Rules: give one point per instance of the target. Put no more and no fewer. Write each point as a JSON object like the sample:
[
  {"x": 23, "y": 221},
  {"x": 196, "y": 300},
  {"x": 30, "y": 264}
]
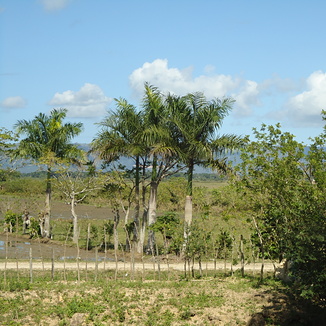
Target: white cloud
[
  {"x": 209, "y": 69},
  {"x": 53, "y": 5},
  {"x": 246, "y": 98},
  {"x": 181, "y": 82},
  {"x": 305, "y": 108},
  {"x": 90, "y": 101},
  {"x": 14, "y": 102},
  {"x": 301, "y": 101},
  {"x": 277, "y": 85}
]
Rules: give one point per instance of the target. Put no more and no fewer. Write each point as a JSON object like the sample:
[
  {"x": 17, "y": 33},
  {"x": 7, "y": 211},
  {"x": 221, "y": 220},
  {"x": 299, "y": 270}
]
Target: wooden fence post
[
  {"x": 96, "y": 263},
  {"x": 52, "y": 265},
  {"x": 87, "y": 246},
  {"x": 30, "y": 265}
]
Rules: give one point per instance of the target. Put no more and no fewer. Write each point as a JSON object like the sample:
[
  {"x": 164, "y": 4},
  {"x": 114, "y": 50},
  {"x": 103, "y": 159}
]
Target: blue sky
[{"x": 270, "y": 56}]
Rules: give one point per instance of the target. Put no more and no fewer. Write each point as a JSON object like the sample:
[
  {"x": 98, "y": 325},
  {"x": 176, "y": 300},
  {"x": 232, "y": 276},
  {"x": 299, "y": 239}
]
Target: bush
[
  {"x": 13, "y": 220},
  {"x": 24, "y": 186}
]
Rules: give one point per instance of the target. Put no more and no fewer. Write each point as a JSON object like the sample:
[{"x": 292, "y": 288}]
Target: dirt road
[{"x": 38, "y": 265}]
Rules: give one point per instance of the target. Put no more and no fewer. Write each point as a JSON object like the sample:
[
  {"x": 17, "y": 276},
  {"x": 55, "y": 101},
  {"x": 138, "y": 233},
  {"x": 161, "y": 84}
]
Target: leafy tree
[
  {"x": 285, "y": 186},
  {"x": 48, "y": 142},
  {"x": 195, "y": 246},
  {"x": 166, "y": 225},
  {"x": 6, "y": 146},
  {"x": 6, "y": 139},
  {"x": 223, "y": 247},
  {"x": 12, "y": 220}
]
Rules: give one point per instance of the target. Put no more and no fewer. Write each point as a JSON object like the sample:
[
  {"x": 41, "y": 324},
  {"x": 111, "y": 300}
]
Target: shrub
[{"x": 13, "y": 220}]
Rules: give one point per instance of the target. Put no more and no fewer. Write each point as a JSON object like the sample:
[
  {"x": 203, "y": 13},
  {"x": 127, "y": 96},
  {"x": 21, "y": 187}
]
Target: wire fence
[{"x": 62, "y": 262}]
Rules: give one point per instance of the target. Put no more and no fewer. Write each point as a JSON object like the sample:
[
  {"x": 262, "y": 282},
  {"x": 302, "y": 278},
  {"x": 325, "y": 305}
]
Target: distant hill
[{"x": 25, "y": 166}]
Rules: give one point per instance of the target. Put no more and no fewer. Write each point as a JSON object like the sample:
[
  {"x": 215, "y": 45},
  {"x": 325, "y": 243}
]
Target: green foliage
[
  {"x": 6, "y": 137},
  {"x": 18, "y": 285},
  {"x": 93, "y": 240},
  {"x": 201, "y": 201},
  {"x": 34, "y": 228},
  {"x": 223, "y": 245},
  {"x": 196, "y": 241},
  {"x": 172, "y": 193},
  {"x": 7, "y": 174},
  {"x": 81, "y": 305},
  {"x": 108, "y": 230},
  {"x": 7, "y": 140},
  {"x": 176, "y": 244},
  {"x": 23, "y": 186},
  {"x": 13, "y": 220},
  {"x": 166, "y": 224},
  {"x": 285, "y": 187}
]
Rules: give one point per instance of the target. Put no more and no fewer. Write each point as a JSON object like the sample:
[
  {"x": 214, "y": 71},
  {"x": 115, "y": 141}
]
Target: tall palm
[
  {"x": 121, "y": 135},
  {"x": 154, "y": 111},
  {"x": 197, "y": 121},
  {"x": 48, "y": 141}
]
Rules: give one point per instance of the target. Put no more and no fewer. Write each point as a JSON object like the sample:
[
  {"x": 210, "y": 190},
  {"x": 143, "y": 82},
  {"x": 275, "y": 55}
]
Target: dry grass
[{"x": 209, "y": 301}]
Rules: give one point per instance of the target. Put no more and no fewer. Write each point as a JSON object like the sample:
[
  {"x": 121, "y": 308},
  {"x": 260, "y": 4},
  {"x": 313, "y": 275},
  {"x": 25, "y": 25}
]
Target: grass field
[{"x": 208, "y": 301}]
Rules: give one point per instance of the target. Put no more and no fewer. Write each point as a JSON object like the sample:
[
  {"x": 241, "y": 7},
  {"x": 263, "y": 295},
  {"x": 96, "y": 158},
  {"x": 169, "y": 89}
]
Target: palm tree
[
  {"x": 197, "y": 121},
  {"x": 160, "y": 137},
  {"x": 154, "y": 112},
  {"x": 47, "y": 142},
  {"x": 121, "y": 135},
  {"x": 146, "y": 137}
]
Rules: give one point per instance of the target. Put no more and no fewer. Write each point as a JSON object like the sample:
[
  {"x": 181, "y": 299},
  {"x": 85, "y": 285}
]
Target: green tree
[
  {"x": 47, "y": 142},
  {"x": 285, "y": 185},
  {"x": 196, "y": 121},
  {"x": 163, "y": 144},
  {"x": 223, "y": 247},
  {"x": 195, "y": 246},
  {"x": 7, "y": 140},
  {"x": 121, "y": 135}
]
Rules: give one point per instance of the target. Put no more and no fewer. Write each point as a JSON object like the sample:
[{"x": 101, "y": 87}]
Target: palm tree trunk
[
  {"x": 188, "y": 210},
  {"x": 152, "y": 206},
  {"x": 47, "y": 211},
  {"x": 188, "y": 204},
  {"x": 137, "y": 206},
  {"x": 152, "y": 215},
  {"x": 75, "y": 220},
  {"x": 116, "y": 239},
  {"x": 142, "y": 230}
]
